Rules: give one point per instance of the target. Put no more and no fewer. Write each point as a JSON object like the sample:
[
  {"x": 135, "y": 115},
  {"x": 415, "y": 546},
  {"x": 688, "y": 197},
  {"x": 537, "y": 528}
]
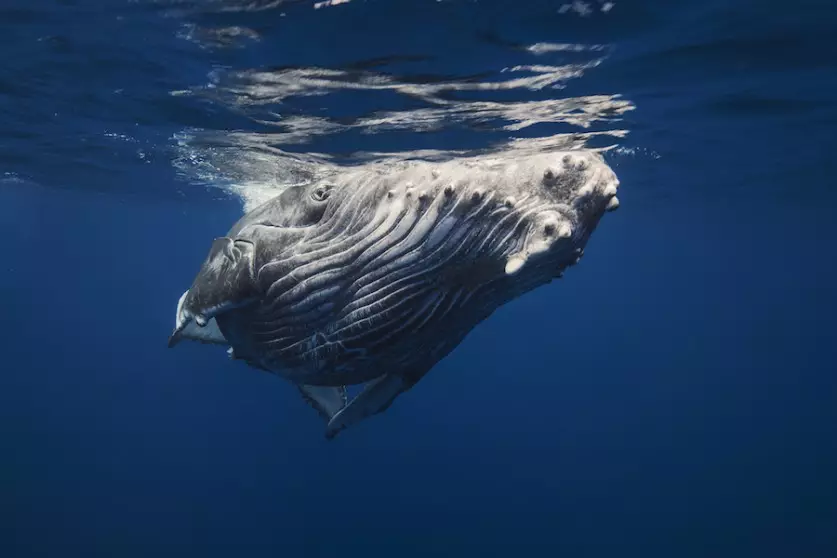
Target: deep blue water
[{"x": 674, "y": 396}]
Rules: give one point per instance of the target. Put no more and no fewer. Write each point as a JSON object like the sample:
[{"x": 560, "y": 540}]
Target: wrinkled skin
[{"x": 374, "y": 276}]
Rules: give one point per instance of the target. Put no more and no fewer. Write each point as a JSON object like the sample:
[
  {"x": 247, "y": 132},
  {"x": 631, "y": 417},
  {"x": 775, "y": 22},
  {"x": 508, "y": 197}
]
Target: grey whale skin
[{"x": 374, "y": 275}]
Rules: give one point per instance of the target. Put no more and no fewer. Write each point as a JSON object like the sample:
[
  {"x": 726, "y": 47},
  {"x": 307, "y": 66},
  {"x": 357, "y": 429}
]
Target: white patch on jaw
[{"x": 515, "y": 263}]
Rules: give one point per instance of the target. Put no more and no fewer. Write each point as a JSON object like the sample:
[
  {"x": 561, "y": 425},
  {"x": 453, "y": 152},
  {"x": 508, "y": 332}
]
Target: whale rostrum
[{"x": 375, "y": 274}]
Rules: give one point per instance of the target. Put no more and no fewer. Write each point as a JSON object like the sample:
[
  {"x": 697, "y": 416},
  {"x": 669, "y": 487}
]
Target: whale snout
[{"x": 571, "y": 192}]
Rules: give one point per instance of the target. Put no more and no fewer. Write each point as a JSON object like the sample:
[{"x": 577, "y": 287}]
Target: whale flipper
[
  {"x": 326, "y": 400},
  {"x": 375, "y": 398},
  {"x": 225, "y": 281},
  {"x": 210, "y": 333}
]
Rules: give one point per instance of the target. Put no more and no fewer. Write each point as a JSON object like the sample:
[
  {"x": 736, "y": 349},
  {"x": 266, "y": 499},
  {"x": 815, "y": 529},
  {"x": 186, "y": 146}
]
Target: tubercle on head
[
  {"x": 422, "y": 193},
  {"x": 599, "y": 186},
  {"x": 421, "y": 196},
  {"x": 569, "y": 163}
]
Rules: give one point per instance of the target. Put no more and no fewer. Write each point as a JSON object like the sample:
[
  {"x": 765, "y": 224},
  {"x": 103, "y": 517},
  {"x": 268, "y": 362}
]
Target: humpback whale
[{"x": 372, "y": 276}]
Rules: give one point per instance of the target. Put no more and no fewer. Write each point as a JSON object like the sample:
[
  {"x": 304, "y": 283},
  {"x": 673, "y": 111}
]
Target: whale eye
[{"x": 321, "y": 193}]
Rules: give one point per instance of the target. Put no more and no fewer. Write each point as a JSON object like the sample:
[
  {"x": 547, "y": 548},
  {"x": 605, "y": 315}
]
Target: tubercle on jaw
[
  {"x": 559, "y": 230},
  {"x": 518, "y": 260},
  {"x": 605, "y": 186},
  {"x": 552, "y": 230}
]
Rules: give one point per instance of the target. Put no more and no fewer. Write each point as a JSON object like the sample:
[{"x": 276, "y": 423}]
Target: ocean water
[{"x": 675, "y": 395}]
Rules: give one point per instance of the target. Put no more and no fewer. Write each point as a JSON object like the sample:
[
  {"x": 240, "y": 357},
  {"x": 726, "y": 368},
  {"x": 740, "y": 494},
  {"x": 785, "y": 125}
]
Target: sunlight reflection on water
[{"x": 517, "y": 109}]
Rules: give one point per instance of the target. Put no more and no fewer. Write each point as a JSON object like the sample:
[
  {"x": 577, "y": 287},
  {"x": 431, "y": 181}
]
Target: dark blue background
[{"x": 674, "y": 396}]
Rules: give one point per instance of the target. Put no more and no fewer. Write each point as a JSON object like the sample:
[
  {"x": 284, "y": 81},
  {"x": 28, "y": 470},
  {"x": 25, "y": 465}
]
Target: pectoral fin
[
  {"x": 225, "y": 281},
  {"x": 210, "y": 333},
  {"x": 375, "y": 398},
  {"x": 326, "y": 400}
]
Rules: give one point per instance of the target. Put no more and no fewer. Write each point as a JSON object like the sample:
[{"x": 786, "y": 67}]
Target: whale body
[{"x": 374, "y": 275}]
